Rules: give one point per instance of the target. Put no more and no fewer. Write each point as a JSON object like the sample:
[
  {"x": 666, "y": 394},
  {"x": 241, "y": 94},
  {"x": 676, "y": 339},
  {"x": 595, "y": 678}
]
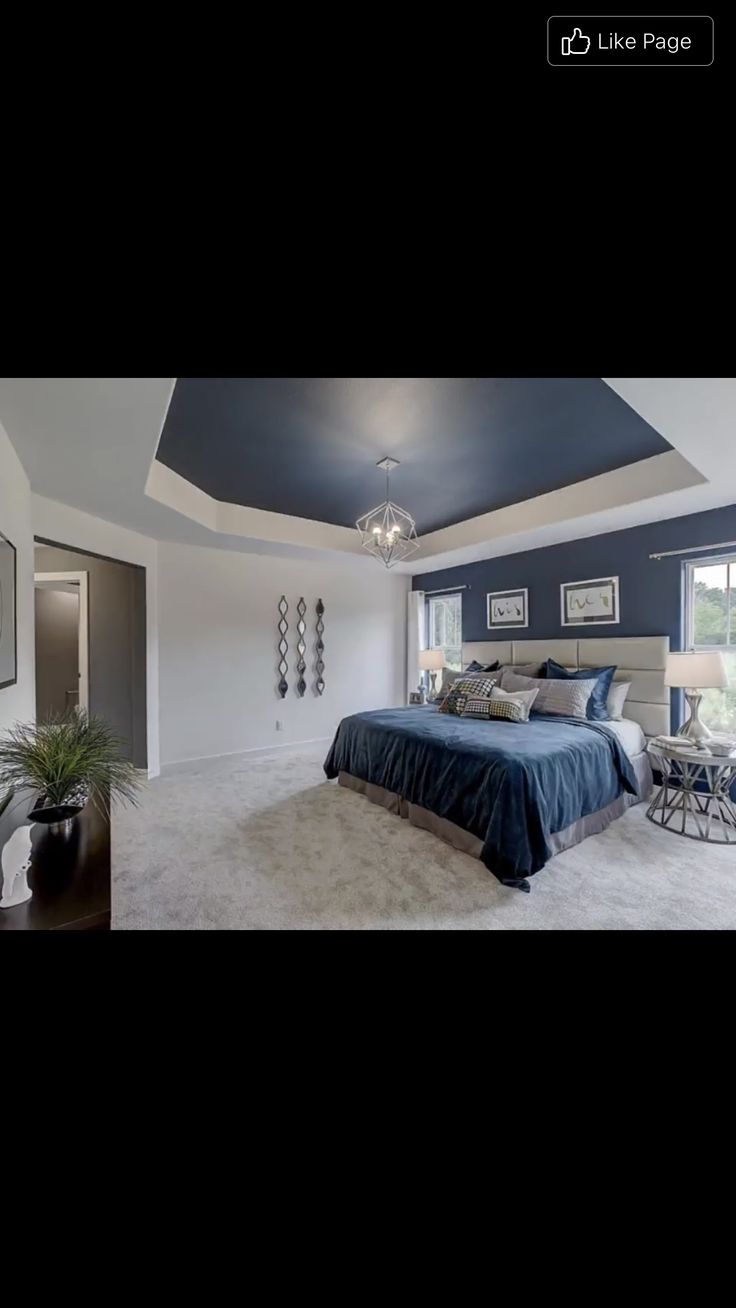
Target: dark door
[{"x": 57, "y": 650}]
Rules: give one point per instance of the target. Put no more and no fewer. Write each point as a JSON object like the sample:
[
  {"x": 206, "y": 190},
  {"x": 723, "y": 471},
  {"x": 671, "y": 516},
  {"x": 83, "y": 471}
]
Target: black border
[{"x": 14, "y": 680}]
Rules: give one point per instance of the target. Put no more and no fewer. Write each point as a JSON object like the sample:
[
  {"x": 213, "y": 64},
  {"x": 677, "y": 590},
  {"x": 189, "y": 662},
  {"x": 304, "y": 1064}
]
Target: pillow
[
  {"x": 449, "y": 679},
  {"x": 526, "y": 669},
  {"x": 482, "y": 667},
  {"x": 617, "y": 698},
  {"x": 563, "y": 698},
  {"x": 524, "y": 699},
  {"x": 478, "y": 686},
  {"x": 597, "y": 709},
  {"x": 495, "y": 708}
]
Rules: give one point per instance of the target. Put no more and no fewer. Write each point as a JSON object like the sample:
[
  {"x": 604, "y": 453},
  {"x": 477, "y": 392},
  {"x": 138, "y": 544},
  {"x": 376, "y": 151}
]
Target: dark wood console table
[{"x": 70, "y": 879}]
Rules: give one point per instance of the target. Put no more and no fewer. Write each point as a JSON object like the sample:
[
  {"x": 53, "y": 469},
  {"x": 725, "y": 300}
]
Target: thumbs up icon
[{"x": 576, "y": 44}]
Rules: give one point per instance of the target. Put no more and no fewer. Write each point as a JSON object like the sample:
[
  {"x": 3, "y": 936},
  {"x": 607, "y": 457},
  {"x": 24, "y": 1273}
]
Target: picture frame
[
  {"x": 591, "y": 603},
  {"x": 506, "y": 609},
  {"x": 416, "y": 697},
  {"x": 8, "y": 613}
]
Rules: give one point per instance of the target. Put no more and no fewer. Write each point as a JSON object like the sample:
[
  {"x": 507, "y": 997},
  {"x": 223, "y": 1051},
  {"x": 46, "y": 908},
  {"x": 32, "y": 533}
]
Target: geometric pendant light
[{"x": 388, "y": 532}]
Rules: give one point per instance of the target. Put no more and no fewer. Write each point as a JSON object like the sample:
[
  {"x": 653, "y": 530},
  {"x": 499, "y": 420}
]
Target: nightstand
[{"x": 694, "y": 799}]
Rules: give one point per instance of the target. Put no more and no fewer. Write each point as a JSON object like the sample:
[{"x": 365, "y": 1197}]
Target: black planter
[{"x": 50, "y": 817}]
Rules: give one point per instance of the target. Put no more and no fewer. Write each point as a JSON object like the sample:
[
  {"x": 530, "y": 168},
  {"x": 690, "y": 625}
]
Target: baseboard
[{"x": 168, "y": 768}]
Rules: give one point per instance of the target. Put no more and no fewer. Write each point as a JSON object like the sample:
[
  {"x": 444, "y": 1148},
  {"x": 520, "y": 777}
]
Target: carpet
[{"x": 265, "y": 843}]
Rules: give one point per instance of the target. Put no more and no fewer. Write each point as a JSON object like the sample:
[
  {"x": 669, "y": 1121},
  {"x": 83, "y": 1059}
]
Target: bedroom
[{"x": 420, "y": 653}]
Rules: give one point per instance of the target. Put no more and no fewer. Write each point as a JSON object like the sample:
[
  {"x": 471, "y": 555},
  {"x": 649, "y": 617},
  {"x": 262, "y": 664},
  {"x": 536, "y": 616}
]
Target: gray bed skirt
[{"x": 469, "y": 844}]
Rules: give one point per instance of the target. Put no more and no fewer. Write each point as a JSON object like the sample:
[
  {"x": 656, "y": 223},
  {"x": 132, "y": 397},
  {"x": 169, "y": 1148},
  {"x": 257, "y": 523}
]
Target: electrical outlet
[{"x": 279, "y": 725}]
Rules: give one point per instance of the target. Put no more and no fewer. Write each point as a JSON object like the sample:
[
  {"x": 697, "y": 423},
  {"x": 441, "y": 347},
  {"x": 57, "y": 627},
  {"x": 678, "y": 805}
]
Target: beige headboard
[{"x": 639, "y": 659}]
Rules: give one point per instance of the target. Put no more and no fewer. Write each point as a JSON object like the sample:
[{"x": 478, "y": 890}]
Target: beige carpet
[{"x": 266, "y": 843}]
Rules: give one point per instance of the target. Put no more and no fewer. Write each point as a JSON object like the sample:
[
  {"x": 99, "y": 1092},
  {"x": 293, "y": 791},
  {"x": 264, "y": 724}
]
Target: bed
[{"x": 508, "y": 793}]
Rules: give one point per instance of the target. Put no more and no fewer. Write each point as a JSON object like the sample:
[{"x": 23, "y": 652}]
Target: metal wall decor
[
  {"x": 301, "y": 666},
  {"x": 283, "y": 647},
  {"x": 320, "y": 667}
]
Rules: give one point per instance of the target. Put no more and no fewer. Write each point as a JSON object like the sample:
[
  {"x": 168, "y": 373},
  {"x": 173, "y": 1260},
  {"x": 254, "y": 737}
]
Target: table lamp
[
  {"x": 432, "y": 661},
  {"x": 692, "y": 672}
]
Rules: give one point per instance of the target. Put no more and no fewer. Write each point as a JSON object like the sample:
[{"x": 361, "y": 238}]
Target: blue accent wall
[{"x": 650, "y": 592}]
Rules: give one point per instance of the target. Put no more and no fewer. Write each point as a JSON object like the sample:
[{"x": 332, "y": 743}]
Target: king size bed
[{"x": 513, "y": 793}]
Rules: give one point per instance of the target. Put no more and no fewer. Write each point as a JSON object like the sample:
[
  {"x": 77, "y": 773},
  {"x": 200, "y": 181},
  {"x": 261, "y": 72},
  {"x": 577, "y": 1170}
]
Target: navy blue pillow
[
  {"x": 596, "y": 710},
  {"x": 480, "y": 667}
]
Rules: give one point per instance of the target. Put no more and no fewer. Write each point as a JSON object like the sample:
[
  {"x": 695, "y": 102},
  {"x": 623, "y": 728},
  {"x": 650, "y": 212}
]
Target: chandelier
[{"x": 389, "y": 533}]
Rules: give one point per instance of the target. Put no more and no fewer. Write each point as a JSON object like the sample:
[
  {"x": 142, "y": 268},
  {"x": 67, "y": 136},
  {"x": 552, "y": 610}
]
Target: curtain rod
[
  {"x": 445, "y": 590},
  {"x": 694, "y": 549}
]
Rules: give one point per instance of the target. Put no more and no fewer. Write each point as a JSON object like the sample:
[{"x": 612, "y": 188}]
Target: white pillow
[
  {"x": 616, "y": 700},
  {"x": 524, "y": 699},
  {"x": 564, "y": 698}
]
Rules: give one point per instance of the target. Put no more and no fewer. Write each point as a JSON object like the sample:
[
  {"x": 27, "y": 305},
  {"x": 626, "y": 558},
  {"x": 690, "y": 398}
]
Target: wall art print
[
  {"x": 507, "y": 608},
  {"x": 589, "y": 603}
]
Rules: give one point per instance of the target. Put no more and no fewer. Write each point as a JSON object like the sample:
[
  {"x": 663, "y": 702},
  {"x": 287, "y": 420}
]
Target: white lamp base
[{"x": 694, "y": 729}]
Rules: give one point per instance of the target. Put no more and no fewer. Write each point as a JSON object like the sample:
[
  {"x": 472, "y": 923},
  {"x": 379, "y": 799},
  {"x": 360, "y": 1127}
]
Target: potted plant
[{"x": 66, "y": 761}]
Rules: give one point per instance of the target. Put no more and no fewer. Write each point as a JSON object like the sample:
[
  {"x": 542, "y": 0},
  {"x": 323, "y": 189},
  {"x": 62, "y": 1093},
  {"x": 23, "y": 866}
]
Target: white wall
[
  {"x": 17, "y": 703},
  {"x": 218, "y": 614},
  {"x": 67, "y": 526}
]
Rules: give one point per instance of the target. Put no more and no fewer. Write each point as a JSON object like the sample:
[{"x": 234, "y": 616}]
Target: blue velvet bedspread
[{"x": 510, "y": 784}]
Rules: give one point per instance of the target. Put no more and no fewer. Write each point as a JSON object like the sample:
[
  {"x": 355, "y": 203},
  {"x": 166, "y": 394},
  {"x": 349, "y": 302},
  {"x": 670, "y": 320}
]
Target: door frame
[{"x": 80, "y": 579}]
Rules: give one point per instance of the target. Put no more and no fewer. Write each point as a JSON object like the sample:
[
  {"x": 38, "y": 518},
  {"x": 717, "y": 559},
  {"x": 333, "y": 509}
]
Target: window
[
  {"x": 445, "y": 627},
  {"x": 711, "y": 624}
]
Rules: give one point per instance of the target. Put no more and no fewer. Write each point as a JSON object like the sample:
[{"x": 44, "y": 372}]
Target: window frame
[
  {"x": 690, "y": 566},
  {"x": 429, "y": 599}
]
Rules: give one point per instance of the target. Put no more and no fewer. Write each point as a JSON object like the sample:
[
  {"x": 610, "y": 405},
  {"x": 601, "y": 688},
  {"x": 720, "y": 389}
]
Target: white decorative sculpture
[{"x": 16, "y": 860}]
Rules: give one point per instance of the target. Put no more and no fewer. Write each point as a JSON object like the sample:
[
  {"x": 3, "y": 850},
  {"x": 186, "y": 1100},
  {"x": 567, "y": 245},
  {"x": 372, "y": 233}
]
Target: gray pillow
[
  {"x": 524, "y": 669},
  {"x": 616, "y": 699},
  {"x": 571, "y": 701}
]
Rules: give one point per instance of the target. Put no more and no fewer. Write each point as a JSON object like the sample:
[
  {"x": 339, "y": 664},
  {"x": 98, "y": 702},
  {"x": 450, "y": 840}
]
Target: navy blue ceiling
[{"x": 308, "y": 445}]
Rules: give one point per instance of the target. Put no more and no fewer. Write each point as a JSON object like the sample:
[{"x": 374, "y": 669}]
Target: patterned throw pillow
[
  {"x": 484, "y": 709},
  {"x": 448, "y": 681},
  {"x": 494, "y": 708},
  {"x": 523, "y": 698},
  {"x": 478, "y": 686},
  {"x": 597, "y": 706},
  {"x": 562, "y": 698}
]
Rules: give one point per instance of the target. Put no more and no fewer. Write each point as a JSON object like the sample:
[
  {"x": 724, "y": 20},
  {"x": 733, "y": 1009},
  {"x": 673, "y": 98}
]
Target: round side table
[{"x": 694, "y": 799}]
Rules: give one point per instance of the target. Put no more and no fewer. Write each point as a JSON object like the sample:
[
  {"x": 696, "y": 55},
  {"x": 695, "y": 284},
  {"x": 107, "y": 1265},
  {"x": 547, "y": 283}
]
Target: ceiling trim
[
  {"x": 169, "y": 488},
  {"x": 660, "y": 475}
]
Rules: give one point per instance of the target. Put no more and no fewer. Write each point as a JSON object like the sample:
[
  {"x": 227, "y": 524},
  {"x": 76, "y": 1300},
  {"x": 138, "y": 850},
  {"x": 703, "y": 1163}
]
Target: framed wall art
[
  {"x": 589, "y": 603},
  {"x": 507, "y": 608}
]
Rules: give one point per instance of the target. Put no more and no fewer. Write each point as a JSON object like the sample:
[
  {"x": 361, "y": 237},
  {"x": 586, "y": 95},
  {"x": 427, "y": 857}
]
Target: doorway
[
  {"x": 92, "y": 609},
  {"x": 62, "y": 642}
]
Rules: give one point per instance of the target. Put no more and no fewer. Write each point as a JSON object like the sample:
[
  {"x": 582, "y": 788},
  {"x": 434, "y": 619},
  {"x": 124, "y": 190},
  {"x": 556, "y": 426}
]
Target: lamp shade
[
  {"x": 698, "y": 670},
  {"x": 431, "y": 660}
]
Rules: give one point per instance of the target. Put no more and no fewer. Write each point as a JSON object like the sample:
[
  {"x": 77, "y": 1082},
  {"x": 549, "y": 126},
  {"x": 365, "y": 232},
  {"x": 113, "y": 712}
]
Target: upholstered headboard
[{"x": 639, "y": 659}]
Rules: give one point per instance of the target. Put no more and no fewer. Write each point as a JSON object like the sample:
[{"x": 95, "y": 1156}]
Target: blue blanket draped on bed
[{"x": 510, "y": 784}]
